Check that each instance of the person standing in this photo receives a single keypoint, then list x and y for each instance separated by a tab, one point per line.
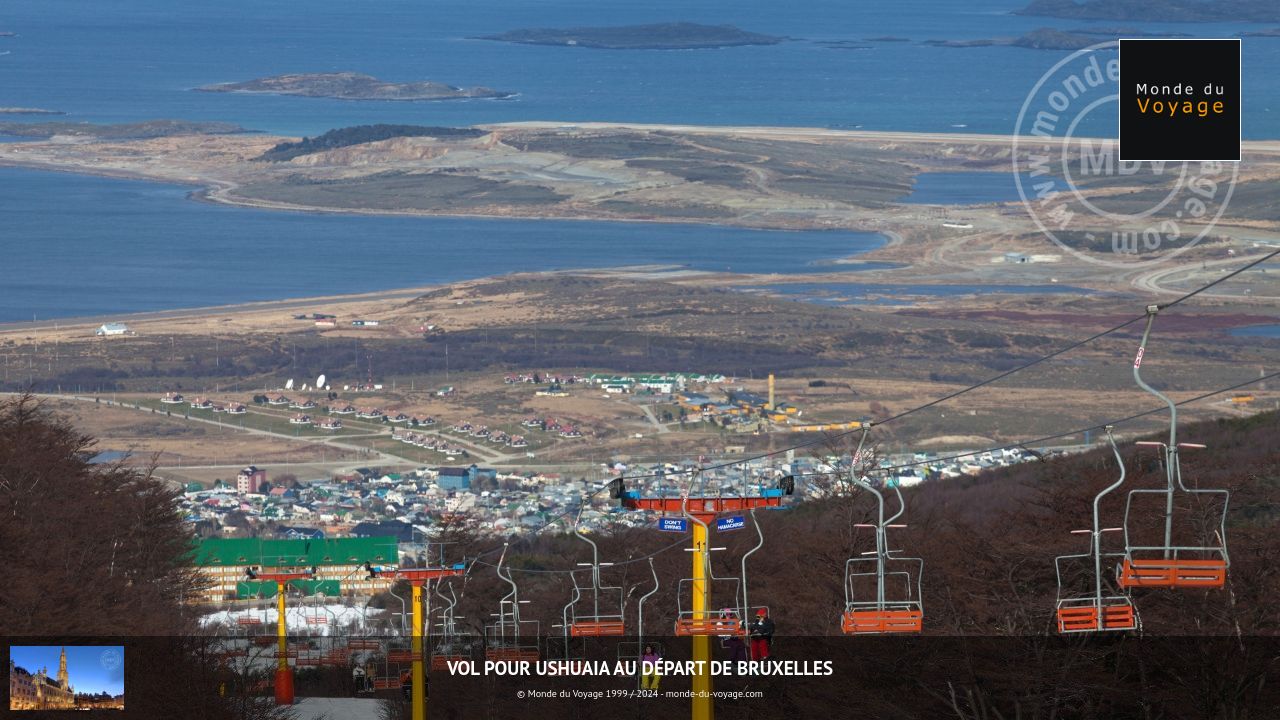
761	633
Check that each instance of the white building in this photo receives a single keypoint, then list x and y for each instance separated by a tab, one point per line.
111	329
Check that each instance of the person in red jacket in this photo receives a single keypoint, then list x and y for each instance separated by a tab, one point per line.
761	633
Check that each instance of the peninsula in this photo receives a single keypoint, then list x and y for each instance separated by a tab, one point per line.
123	131
28	111
353	86
1157	10
1039	39
662	36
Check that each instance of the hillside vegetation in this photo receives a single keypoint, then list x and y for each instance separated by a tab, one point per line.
360	134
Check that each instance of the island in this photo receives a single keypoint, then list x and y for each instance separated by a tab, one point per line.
842	45
123	131
28	111
353	86
661	36
1157	10
1039	39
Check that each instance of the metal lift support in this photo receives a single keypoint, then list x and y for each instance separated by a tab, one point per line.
702	510
417	577
1096	612
881	616
1167	565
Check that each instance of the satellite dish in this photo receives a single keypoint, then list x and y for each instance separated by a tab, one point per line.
304	387
289	385
320	381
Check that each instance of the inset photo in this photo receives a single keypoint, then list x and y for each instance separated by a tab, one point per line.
66	677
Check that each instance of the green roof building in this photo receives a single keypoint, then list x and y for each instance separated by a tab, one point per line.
339	564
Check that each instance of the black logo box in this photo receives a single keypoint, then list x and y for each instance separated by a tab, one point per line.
1187	67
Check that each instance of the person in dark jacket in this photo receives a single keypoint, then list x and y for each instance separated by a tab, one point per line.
761	633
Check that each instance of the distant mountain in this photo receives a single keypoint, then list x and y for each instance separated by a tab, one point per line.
353	86
663	36
1158	10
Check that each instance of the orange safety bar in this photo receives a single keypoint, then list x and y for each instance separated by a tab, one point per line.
400	656
248	621
686	627
1086	617
364	644
317	621
386	683
866	622
1162	573
597	628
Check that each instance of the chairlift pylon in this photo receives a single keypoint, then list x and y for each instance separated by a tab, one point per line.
1172	563
1097	611
904	611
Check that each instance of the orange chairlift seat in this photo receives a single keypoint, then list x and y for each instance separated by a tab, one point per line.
507	638
897	606
388	682
1102	609
1193	557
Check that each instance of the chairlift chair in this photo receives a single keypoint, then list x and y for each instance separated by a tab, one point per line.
889	612
1172	562
453	646
1099	611
593	615
634	650
504	637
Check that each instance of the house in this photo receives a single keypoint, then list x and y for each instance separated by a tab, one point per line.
402	532
250	479
172	398
299	533
463	478
113	328
454	478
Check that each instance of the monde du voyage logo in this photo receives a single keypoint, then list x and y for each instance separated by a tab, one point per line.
1162	187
